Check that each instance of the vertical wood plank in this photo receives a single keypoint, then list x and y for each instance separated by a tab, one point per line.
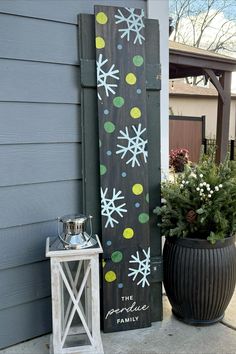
90	141
56	306
122	116
154	168
89	126
223	117
95	304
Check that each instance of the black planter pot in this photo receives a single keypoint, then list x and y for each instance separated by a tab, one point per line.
199	278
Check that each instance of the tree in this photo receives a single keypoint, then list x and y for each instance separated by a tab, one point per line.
207	24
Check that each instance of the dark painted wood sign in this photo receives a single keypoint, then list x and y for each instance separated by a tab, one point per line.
120	57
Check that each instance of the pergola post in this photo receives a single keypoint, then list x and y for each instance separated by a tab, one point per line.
223	86
190	61
223	117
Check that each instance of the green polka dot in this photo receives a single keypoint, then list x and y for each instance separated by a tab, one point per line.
138	60
103	170
143	218
147	197
116	256
110	276
118	101
109	127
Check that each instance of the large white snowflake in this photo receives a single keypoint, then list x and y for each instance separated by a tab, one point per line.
109	207
143	267
105	79
134	23
135	145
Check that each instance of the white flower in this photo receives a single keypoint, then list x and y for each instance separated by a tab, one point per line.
204	183
209	195
211	192
201	184
183	182
220	186
187	182
208	185
163	200
198	189
208	188
216	188
201	175
202	190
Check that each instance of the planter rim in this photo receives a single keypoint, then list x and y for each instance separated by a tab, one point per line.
201	243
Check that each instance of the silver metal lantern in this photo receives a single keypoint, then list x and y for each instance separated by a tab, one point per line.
74	235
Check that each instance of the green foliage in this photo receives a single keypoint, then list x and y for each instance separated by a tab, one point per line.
200	202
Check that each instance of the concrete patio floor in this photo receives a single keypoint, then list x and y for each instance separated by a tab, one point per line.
168	336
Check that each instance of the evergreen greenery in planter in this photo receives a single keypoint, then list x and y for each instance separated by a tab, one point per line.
201	201
198	218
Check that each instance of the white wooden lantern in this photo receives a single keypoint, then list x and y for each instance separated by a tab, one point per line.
75	299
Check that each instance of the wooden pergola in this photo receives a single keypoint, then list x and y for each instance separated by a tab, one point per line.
190	61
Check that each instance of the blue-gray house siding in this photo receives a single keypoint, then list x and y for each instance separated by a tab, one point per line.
40	150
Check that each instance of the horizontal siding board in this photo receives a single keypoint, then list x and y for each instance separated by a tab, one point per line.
25	244
61	10
25	321
24	284
27	204
38	82
35	163
32	39
39	123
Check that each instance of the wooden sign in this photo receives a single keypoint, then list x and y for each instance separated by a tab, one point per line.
120	57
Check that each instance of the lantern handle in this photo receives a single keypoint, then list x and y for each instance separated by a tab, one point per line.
91	227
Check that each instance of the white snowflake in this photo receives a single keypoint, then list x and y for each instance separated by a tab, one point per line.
109	207
143	267
135	145
105	78
134	23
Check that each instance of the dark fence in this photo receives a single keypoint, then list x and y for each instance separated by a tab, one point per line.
231	147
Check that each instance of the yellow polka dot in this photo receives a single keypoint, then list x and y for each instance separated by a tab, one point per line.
128	233
110	276
101	18
130	79
100	43
135	112
137	189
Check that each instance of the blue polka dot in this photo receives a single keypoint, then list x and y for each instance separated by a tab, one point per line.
109	153
139	91
106	111
137	205
119	46
120	285
123	174
109	243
